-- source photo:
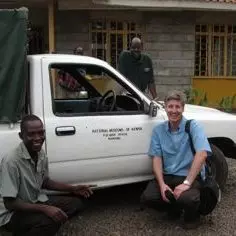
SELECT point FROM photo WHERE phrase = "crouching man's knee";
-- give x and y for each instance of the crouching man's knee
(190, 199)
(151, 195)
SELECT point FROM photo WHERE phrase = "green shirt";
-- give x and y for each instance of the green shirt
(21, 178)
(138, 71)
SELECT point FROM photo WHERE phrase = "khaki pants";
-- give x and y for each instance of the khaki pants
(189, 200)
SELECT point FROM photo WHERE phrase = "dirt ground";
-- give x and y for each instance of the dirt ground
(116, 212)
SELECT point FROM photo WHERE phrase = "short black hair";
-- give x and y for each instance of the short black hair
(27, 118)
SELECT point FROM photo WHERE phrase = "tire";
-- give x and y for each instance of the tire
(218, 165)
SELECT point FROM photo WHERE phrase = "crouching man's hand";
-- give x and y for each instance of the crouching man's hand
(82, 190)
(180, 189)
(55, 213)
(163, 189)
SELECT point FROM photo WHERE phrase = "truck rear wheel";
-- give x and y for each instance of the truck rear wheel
(218, 165)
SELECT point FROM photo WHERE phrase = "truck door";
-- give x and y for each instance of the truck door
(97, 128)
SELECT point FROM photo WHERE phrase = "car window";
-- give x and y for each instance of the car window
(90, 90)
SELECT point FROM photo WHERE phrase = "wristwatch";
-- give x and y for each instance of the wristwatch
(186, 182)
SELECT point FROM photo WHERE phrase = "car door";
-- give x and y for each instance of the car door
(106, 148)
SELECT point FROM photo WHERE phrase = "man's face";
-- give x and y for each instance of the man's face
(33, 135)
(174, 110)
(136, 49)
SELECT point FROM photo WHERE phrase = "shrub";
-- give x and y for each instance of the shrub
(196, 96)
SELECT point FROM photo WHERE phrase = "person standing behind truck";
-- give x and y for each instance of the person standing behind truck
(24, 208)
(137, 67)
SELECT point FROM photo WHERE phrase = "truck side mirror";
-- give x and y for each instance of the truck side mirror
(153, 109)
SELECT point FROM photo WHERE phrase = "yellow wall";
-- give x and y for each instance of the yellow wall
(215, 88)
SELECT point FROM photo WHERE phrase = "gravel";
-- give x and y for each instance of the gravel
(116, 212)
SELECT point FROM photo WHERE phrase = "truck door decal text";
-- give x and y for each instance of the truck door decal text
(116, 133)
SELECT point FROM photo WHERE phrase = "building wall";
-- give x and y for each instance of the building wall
(72, 30)
(215, 17)
(72, 26)
(170, 40)
(216, 88)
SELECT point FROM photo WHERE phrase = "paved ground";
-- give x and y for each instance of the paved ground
(116, 212)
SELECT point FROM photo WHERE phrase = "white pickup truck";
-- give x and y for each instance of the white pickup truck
(102, 138)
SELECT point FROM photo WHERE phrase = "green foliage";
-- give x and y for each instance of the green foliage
(203, 101)
(227, 103)
(197, 97)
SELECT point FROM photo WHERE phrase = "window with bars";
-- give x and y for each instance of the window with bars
(110, 38)
(215, 51)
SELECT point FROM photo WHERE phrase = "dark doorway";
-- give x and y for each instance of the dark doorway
(36, 40)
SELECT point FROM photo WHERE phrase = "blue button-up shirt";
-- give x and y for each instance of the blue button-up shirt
(174, 146)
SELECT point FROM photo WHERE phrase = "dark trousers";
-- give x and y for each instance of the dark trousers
(37, 224)
(188, 201)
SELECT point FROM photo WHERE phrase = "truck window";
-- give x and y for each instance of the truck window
(90, 90)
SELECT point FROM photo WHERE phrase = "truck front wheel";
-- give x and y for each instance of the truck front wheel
(218, 165)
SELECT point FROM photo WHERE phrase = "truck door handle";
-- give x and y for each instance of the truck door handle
(65, 130)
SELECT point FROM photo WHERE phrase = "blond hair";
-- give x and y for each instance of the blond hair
(175, 95)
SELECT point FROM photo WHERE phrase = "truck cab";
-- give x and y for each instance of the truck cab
(99, 132)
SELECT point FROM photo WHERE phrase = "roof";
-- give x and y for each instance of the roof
(225, 5)
(222, 1)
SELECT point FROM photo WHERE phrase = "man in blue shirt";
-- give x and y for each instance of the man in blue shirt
(177, 170)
